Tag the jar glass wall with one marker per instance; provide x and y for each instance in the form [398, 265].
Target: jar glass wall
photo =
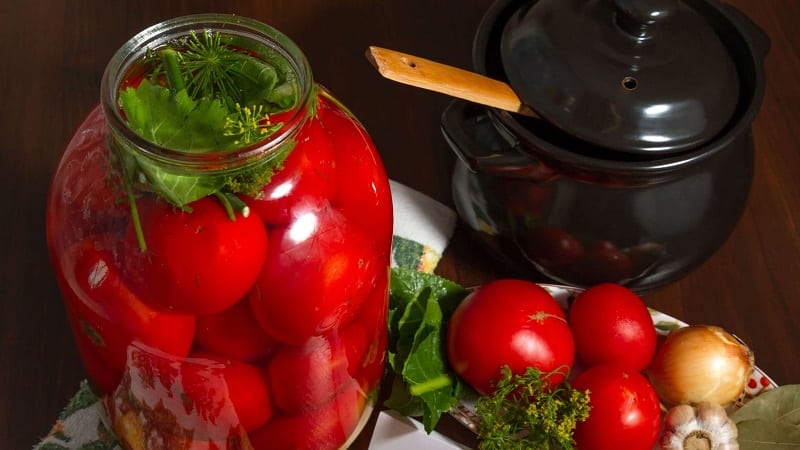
[221, 236]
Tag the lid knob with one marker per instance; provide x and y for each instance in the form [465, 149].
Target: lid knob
[637, 17]
[632, 76]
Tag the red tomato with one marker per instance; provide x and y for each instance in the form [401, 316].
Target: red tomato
[86, 191]
[305, 182]
[625, 412]
[318, 272]
[246, 387]
[611, 324]
[101, 376]
[110, 316]
[373, 318]
[234, 333]
[198, 262]
[327, 427]
[508, 322]
[363, 192]
[308, 376]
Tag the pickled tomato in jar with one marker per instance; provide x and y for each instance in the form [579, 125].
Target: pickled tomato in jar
[220, 227]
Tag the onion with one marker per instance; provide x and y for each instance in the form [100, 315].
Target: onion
[700, 363]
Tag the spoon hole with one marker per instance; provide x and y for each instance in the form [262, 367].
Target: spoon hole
[409, 62]
[630, 83]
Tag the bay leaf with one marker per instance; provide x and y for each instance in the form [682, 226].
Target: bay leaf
[760, 434]
[781, 404]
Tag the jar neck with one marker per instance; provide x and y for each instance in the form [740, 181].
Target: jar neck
[252, 37]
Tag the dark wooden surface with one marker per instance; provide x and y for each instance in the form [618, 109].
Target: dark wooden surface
[54, 53]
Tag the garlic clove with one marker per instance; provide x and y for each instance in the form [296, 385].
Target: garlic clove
[703, 427]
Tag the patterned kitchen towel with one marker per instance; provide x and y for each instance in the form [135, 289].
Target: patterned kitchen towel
[422, 229]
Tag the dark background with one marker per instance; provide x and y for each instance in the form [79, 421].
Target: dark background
[54, 53]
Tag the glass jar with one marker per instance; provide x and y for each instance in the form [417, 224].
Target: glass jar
[220, 227]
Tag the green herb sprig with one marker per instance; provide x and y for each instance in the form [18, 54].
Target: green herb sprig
[523, 413]
[204, 94]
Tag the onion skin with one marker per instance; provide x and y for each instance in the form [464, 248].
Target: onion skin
[700, 363]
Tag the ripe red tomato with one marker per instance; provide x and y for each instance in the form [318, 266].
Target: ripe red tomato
[207, 375]
[305, 182]
[198, 262]
[109, 317]
[625, 412]
[234, 333]
[611, 324]
[318, 272]
[308, 376]
[327, 427]
[101, 376]
[363, 193]
[508, 322]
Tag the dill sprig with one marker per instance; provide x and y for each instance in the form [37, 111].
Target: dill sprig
[523, 413]
[206, 61]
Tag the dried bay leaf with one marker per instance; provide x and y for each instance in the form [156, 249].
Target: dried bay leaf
[771, 420]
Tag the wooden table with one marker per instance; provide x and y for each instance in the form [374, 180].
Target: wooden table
[55, 53]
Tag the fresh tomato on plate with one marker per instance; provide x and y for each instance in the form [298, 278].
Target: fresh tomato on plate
[318, 271]
[198, 262]
[509, 322]
[611, 324]
[625, 411]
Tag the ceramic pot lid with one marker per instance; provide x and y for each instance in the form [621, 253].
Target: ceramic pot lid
[636, 76]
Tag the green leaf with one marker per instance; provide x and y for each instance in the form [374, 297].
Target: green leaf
[781, 404]
[177, 122]
[179, 189]
[419, 306]
[425, 367]
[771, 420]
[767, 435]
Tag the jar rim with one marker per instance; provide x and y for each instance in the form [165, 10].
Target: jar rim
[169, 30]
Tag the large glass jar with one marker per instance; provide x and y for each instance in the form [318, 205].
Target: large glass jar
[220, 226]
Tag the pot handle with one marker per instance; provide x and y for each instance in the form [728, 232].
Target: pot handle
[756, 36]
[483, 147]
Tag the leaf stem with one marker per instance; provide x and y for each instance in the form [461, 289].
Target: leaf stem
[430, 385]
[232, 204]
[137, 223]
[226, 203]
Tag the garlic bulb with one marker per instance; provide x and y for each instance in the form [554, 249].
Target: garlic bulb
[705, 427]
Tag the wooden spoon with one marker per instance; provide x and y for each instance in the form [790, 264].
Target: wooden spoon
[455, 82]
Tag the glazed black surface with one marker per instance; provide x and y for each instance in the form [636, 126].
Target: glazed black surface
[680, 206]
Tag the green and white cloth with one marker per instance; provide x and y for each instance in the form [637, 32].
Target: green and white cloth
[422, 229]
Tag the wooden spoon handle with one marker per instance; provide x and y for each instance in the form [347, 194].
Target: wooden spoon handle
[437, 77]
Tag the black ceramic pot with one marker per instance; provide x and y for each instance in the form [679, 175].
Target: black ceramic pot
[657, 185]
